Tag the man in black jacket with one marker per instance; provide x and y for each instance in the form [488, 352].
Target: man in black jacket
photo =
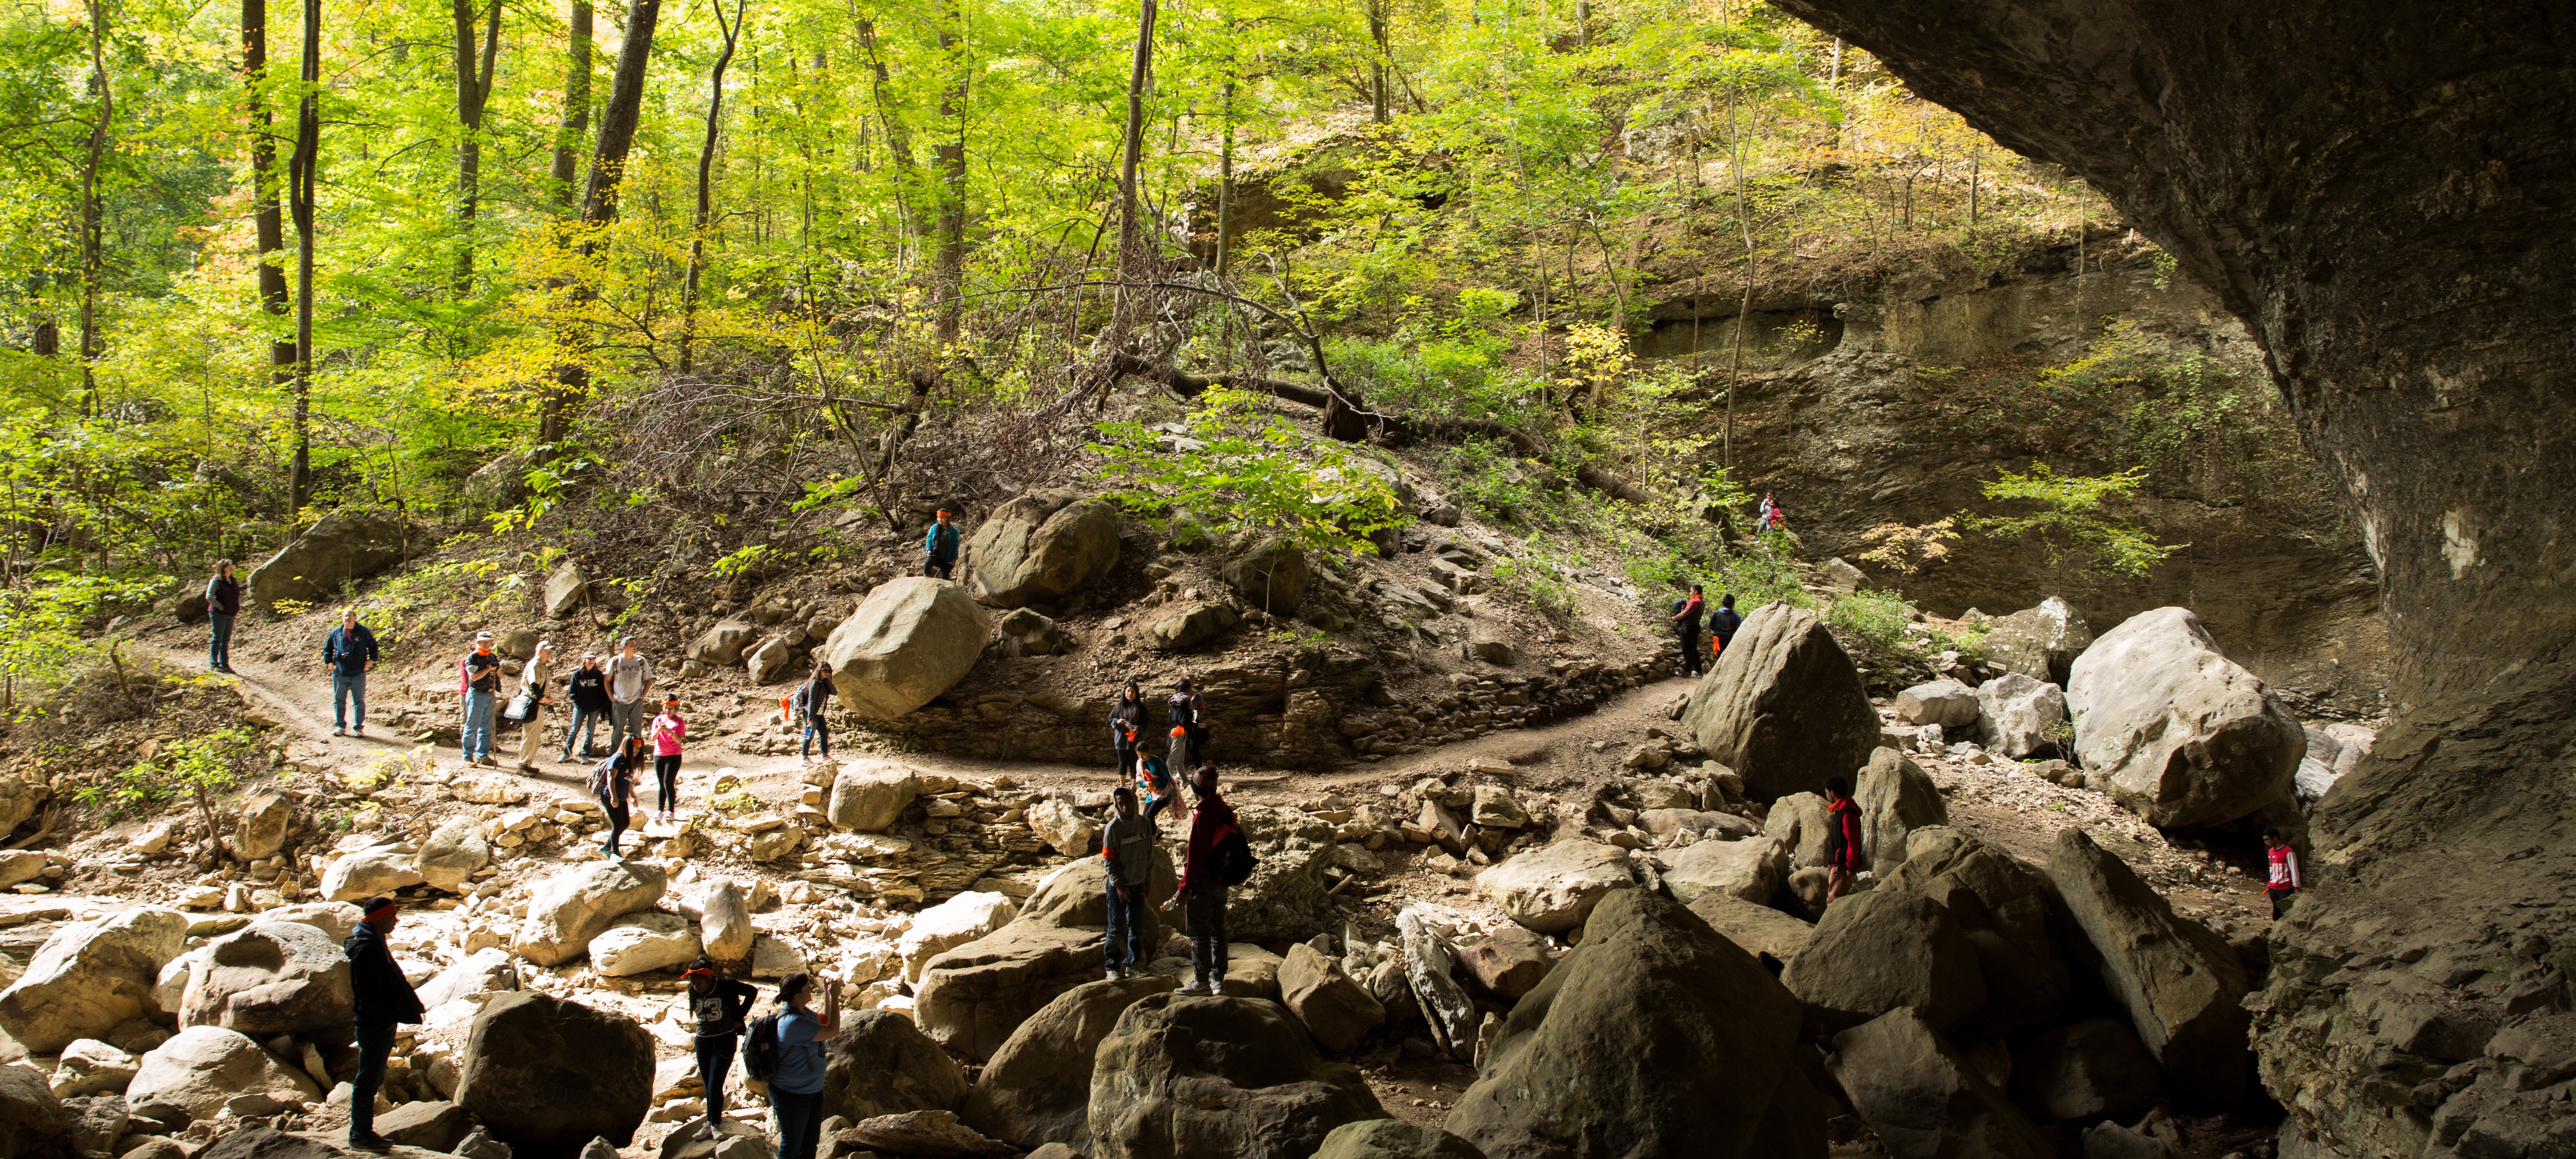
[589, 687]
[349, 651]
[1724, 622]
[384, 998]
[717, 1004]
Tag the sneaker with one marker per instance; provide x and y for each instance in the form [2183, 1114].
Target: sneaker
[370, 1141]
[339, 731]
[359, 731]
[1199, 988]
[704, 1132]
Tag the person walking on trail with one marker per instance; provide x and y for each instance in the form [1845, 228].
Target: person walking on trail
[1842, 839]
[810, 702]
[2281, 881]
[588, 687]
[630, 678]
[717, 1004]
[1722, 623]
[939, 548]
[1154, 784]
[383, 999]
[350, 653]
[479, 681]
[796, 1092]
[1184, 710]
[613, 783]
[1126, 724]
[1686, 624]
[669, 730]
[535, 682]
[1128, 846]
[1778, 519]
[1202, 886]
[223, 602]
[1762, 516]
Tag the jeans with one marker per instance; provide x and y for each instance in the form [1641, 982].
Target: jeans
[348, 689]
[666, 778]
[800, 1122]
[937, 567]
[817, 729]
[616, 823]
[374, 1043]
[585, 725]
[1129, 922]
[477, 742]
[219, 651]
[1691, 663]
[1154, 804]
[715, 1060]
[1206, 910]
[2280, 900]
[626, 718]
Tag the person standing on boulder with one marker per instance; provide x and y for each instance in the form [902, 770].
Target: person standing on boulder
[1202, 887]
[481, 676]
[613, 783]
[939, 548]
[588, 687]
[2281, 882]
[1723, 623]
[630, 676]
[1686, 625]
[350, 652]
[223, 602]
[1183, 711]
[810, 702]
[669, 729]
[534, 680]
[1128, 846]
[1842, 839]
[383, 999]
[1126, 721]
[796, 1092]
[717, 1004]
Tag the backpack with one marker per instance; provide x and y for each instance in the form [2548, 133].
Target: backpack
[1179, 708]
[1234, 859]
[760, 1049]
[602, 775]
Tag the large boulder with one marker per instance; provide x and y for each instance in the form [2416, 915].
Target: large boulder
[2041, 643]
[970, 999]
[1187, 625]
[1041, 547]
[1944, 702]
[722, 645]
[1037, 1088]
[1883, 950]
[1287, 897]
[871, 795]
[1058, 823]
[1553, 888]
[1748, 870]
[2015, 714]
[1185, 1077]
[431, 1125]
[1391, 1139]
[1652, 1032]
[451, 855]
[2180, 982]
[1800, 823]
[1270, 575]
[90, 976]
[90, 1067]
[880, 1064]
[489, 970]
[259, 831]
[642, 943]
[725, 931]
[950, 924]
[351, 543]
[909, 641]
[573, 906]
[2186, 736]
[1923, 1099]
[1756, 929]
[1895, 797]
[33, 1123]
[1334, 1009]
[565, 588]
[269, 979]
[547, 1076]
[203, 1067]
[2007, 911]
[368, 872]
[1783, 706]
[2092, 1070]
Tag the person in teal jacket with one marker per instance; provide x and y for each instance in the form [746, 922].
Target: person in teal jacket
[939, 548]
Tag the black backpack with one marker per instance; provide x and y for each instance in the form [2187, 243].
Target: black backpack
[760, 1052]
[1234, 859]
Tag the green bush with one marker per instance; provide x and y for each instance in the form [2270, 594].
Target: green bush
[1874, 617]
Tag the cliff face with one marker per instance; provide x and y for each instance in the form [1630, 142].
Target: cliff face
[1897, 402]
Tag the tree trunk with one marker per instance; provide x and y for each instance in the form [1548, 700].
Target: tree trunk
[1225, 184]
[301, 169]
[92, 216]
[576, 111]
[1744, 309]
[473, 91]
[599, 200]
[912, 224]
[1131, 252]
[268, 217]
[706, 191]
[1377, 61]
[950, 154]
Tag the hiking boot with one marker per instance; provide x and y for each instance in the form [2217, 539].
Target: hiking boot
[370, 1141]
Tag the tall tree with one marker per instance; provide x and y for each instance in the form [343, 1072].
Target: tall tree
[301, 168]
[950, 155]
[599, 200]
[473, 92]
[576, 111]
[898, 143]
[706, 181]
[92, 215]
[268, 218]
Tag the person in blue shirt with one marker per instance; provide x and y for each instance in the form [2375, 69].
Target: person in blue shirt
[350, 650]
[1724, 622]
[796, 1092]
[939, 548]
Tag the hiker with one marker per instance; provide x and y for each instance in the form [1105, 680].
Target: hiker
[1842, 839]
[1202, 887]
[1126, 720]
[613, 782]
[717, 1005]
[939, 548]
[1183, 711]
[588, 687]
[1686, 623]
[630, 676]
[669, 729]
[479, 677]
[1154, 781]
[811, 700]
[2282, 881]
[533, 681]
[1128, 846]
[350, 652]
[796, 1091]
[223, 602]
[382, 998]
[1723, 623]
[1778, 519]
[1762, 517]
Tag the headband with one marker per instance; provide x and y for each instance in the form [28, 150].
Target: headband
[386, 910]
[697, 972]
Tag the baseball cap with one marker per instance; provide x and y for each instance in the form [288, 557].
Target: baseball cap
[482, 637]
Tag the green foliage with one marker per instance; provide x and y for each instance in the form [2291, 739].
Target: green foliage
[198, 768]
[1250, 470]
[2072, 521]
[1878, 617]
[747, 559]
[44, 630]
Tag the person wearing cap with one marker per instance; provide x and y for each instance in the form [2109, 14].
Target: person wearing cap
[796, 1093]
[588, 687]
[350, 653]
[383, 999]
[479, 679]
[534, 683]
[630, 679]
[939, 548]
[669, 729]
[1210, 823]
[717, 1004]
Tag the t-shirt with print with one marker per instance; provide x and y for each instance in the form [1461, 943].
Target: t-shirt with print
[719, 1011]
[628, 676]
[800, 1058]
[668, 731]
[483, 669]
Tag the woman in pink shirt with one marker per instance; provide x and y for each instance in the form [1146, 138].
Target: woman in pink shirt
[668, 731]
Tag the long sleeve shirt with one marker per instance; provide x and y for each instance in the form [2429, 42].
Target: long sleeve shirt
[350, 650]
[1211, 823]
[383, 996]
[1128, 846]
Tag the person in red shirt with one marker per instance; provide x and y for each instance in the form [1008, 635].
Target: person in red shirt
[2281, 882]
[1200, 889]
[1842, 839]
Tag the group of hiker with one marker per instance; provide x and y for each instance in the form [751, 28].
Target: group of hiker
[1686, 623]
